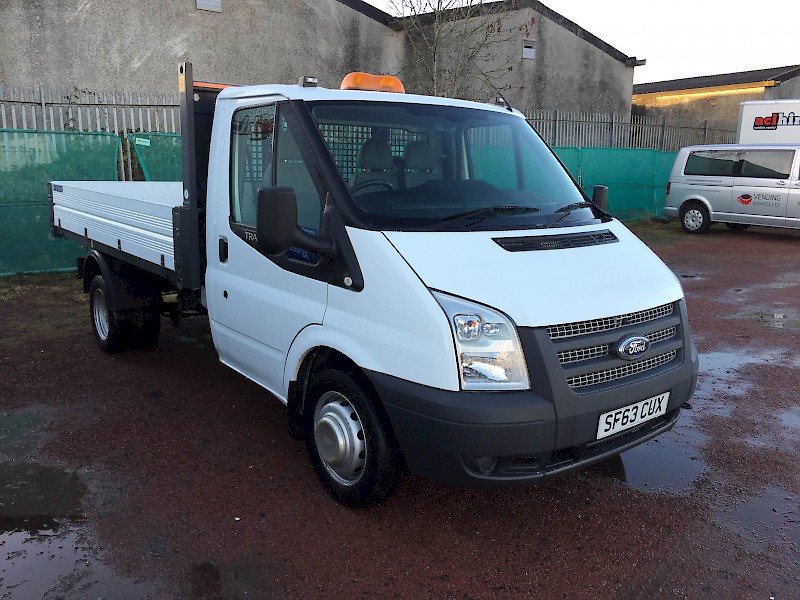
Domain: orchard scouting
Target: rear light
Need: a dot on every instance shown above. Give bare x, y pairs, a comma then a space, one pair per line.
669, 183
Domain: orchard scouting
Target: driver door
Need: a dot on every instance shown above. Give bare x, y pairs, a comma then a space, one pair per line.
262, 305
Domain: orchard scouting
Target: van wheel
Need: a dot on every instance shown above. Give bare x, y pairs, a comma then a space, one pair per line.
350, 443
694, 218
737, 226
107, 324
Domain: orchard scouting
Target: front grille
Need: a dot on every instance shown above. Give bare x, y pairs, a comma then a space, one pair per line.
621, 371
566, 330
566, 357
664, 334
556, 242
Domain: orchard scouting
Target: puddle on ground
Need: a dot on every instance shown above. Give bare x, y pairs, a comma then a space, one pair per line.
669, 463
777, 319
673, 461
13, 426
765, 519
48, 552
790, 419
720, 372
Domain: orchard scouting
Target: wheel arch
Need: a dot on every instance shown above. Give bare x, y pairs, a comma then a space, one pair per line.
695, 200
128, 286
304, 360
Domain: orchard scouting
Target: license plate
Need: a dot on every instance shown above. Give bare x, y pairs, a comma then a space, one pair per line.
632, 415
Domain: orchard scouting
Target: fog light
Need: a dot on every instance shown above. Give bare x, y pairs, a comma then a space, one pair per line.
481, 464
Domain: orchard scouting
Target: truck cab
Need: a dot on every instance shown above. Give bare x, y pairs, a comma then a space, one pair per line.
425, 287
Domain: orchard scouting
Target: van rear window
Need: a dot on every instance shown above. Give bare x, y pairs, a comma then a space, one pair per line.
769, 164
711, 162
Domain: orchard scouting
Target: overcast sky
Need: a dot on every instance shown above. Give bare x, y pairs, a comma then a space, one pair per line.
686, 38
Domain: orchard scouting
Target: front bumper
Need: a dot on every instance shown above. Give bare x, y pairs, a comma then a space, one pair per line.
528, 436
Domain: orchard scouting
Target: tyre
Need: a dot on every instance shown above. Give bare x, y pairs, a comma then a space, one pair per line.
736, 226
694, 218
107, 324
350, 441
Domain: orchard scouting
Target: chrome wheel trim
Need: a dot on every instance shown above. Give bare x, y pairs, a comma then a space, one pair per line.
339, 438
100, 314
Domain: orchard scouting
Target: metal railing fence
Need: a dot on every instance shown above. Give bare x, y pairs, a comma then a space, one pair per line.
609, 130
120, 113
127, 112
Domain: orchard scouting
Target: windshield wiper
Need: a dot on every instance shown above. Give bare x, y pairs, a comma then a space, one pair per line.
567, 209
490, 210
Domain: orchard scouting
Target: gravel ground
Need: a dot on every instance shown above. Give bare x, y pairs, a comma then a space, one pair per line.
162, 474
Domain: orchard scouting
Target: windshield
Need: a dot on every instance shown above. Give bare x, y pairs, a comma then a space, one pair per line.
412, 166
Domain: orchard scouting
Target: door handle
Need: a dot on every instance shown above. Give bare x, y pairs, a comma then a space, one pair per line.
781, 183
223, 250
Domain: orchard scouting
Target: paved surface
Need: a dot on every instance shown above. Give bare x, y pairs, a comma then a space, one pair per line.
162, 474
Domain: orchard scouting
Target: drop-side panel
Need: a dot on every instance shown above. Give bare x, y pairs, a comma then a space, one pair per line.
134, 217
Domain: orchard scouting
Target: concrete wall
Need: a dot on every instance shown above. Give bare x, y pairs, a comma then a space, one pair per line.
136, 45
568, 73
788, 90
720, 110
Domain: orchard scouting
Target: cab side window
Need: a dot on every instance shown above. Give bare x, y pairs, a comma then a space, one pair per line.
252, 141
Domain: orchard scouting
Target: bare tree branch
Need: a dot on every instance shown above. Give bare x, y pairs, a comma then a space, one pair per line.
460, 48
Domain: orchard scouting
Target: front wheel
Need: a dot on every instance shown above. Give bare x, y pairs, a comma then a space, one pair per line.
350, 441
695, 218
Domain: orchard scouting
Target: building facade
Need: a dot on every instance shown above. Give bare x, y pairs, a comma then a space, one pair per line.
714, 99
135, 46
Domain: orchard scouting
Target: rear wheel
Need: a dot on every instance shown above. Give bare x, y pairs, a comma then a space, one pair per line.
107, 325
737, 226
695, 218
350, 441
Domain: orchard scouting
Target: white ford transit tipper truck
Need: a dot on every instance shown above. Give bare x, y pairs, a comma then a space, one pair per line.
419, 279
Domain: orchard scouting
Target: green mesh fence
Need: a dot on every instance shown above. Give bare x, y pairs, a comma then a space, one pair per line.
636, 177
159, 155
28, 160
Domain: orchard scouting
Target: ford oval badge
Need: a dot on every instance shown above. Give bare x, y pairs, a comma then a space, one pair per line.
633, 347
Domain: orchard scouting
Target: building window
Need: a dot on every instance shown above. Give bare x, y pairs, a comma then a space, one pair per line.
213, 5
528, 49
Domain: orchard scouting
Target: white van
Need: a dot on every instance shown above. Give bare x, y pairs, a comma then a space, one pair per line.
418, 279
739, 185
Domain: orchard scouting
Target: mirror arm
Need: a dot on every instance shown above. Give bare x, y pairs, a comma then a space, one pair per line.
312, 243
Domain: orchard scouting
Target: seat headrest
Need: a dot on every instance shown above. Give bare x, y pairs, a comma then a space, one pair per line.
375, 155
419, 156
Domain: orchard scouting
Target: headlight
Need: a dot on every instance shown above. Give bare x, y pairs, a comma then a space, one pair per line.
489, 353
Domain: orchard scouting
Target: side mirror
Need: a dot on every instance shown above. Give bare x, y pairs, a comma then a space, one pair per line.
276, 224
600, 197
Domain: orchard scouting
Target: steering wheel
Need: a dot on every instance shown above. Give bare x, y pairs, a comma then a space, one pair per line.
365, 184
